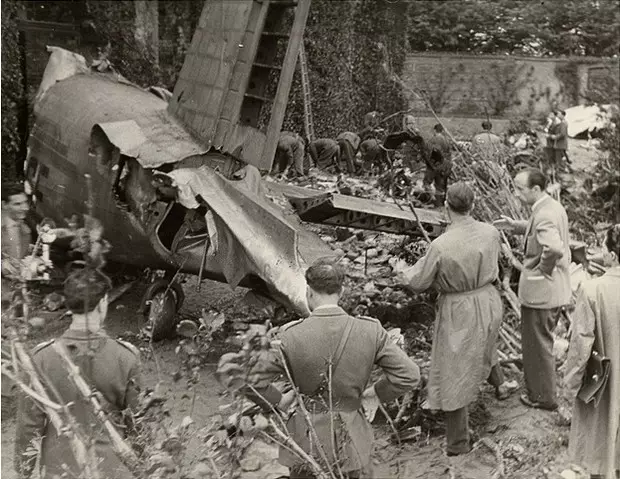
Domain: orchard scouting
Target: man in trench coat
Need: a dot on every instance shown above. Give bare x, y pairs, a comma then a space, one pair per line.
354, 345
463, 265
544, 286
595, 429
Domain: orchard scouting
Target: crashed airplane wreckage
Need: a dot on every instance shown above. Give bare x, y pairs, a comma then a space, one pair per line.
177, 184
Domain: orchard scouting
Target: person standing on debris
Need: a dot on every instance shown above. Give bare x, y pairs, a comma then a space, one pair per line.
463, 265
355, 346
290, 153
111, 367
349, 143
544, 286
325, 153
559, 137
595, 427
438, 164
487, 142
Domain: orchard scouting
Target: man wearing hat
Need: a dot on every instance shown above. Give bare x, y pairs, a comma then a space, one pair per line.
111, 367
462, 264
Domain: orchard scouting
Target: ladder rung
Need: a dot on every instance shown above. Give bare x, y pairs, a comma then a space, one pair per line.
258, 97
276, 34
283, 3
264, 65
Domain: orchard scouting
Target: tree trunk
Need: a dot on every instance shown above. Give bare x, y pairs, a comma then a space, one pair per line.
147, 26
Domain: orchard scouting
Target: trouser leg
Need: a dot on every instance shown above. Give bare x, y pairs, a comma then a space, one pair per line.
496, 376
538, 360
457, 431
299, 153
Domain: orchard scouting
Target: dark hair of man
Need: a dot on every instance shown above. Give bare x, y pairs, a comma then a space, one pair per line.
535, 177
325, 276
563, 112
487, 125
11, 189
438, 128
612, 240
460, 197
84, 289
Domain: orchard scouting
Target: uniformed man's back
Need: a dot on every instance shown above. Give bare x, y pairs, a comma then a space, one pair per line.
110, 367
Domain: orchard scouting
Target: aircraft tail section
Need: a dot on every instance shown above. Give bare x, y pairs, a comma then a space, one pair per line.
233, 88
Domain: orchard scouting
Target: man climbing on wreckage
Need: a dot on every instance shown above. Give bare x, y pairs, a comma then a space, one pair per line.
438, 161
355, 346
462, 264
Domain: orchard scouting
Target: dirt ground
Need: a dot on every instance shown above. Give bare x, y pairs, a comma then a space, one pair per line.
529, 443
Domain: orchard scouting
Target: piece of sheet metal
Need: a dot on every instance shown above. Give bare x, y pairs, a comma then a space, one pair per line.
350, 211
254, 236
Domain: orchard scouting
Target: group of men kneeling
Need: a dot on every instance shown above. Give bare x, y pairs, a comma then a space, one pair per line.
367, 152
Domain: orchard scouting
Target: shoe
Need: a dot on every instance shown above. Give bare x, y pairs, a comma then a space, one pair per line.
504, 390
452, 454
535, 404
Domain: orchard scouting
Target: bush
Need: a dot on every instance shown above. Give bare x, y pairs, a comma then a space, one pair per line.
12, 91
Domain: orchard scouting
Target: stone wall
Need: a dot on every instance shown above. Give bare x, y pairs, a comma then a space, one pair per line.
505, 87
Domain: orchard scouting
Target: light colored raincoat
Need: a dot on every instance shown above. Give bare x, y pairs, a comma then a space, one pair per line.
595, 430
463, 265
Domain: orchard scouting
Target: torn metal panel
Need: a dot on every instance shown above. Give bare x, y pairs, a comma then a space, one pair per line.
126, 135
61, 65
351, 211
254, 237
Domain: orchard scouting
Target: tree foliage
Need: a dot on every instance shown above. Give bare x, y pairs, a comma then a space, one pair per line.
344, 44
567, 27
12, 89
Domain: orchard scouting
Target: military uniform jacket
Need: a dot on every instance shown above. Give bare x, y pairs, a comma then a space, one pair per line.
545, 280
308, 345
112, 368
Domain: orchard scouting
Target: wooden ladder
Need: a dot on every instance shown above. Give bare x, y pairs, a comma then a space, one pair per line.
305, 85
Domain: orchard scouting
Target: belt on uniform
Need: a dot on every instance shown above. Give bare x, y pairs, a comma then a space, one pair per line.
471, 292
320, 405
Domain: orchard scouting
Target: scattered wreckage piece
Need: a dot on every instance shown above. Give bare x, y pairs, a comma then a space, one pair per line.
350, 211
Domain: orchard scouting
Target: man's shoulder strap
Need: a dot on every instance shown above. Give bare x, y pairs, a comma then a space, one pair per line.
343, 342
129, 346
40, 347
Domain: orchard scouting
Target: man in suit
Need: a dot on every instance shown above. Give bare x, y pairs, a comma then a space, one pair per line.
544, 286
353, 346
110, 366
558, 138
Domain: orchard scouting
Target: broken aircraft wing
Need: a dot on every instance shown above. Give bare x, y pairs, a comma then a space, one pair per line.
252, 235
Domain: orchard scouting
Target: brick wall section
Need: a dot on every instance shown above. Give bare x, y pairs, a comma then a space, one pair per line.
506, 86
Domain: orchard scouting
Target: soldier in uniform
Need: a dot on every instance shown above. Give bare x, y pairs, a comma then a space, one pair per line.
325, 153
290, 153
355, 346
111, 367
487, 142
348, 143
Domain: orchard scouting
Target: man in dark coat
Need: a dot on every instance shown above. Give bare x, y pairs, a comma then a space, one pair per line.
355, 346
348, 143
111, 367
325, 153
290, 153
438, 164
